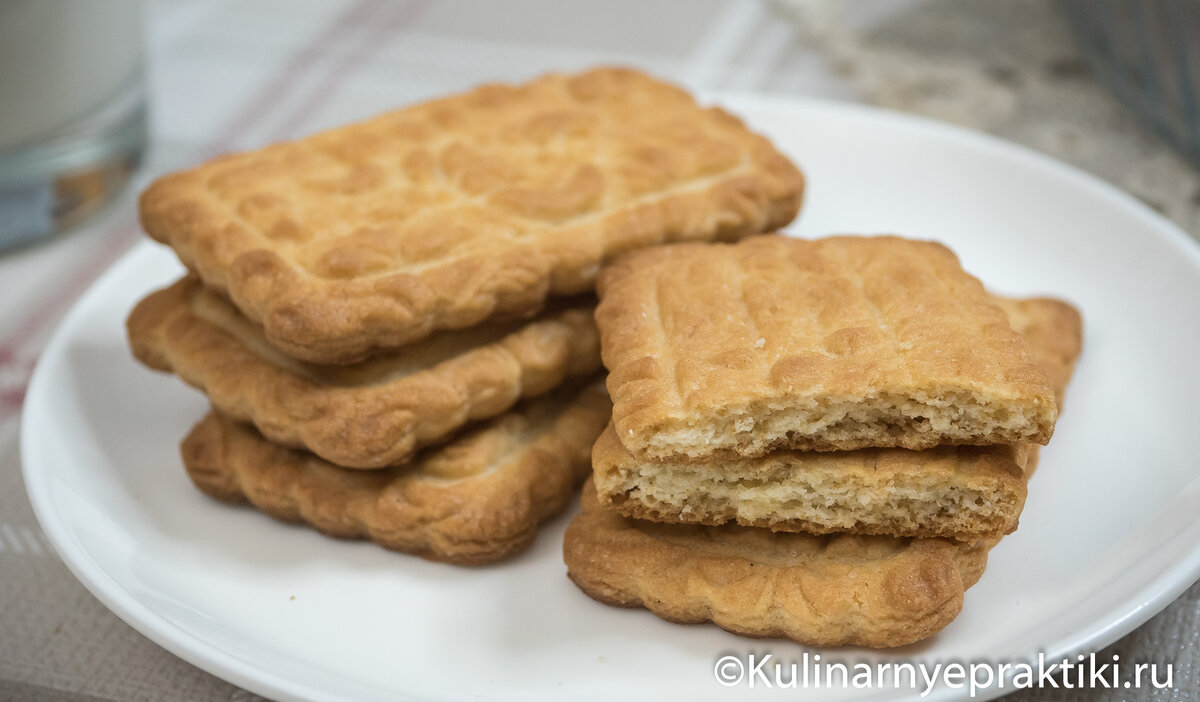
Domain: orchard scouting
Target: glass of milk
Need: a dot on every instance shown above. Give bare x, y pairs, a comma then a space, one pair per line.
72, 111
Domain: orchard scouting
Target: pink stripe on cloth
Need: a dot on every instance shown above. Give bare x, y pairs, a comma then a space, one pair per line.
12, 397
363, 51
49, 310
278, 86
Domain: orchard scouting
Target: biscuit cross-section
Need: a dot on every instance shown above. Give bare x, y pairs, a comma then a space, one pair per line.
830, 344
960, 492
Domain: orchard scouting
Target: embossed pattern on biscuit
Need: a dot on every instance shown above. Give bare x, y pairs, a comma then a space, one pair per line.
476, 500
829, 344
836, 590
960, 492
367, 415
440, 215
821, 590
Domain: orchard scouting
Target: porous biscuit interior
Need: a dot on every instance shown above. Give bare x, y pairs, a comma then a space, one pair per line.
915, 420
961, 492
870, 491
831, 344
831, 503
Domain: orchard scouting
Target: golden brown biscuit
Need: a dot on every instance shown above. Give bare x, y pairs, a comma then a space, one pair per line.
368, 415
476, 500
833, 344
960, 492
441, 215
875, 591
963, 493
1054, 330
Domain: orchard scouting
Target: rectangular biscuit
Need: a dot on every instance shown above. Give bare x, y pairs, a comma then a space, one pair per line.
963, 493
833, 590
830, 344
960, 492
441, 215
372, 414
475, 500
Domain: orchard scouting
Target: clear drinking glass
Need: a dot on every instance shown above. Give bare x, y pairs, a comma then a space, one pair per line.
72, 111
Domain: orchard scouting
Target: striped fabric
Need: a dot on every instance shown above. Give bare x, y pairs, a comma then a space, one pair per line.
232, 74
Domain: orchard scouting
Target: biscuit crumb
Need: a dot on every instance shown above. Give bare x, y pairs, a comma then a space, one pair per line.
811, 392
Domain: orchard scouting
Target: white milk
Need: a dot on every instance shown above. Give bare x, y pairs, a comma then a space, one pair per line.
61, 59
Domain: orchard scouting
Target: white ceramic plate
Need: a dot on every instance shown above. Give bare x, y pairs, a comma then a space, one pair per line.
1109, 535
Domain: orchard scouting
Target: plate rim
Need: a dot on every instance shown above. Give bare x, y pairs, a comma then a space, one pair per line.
1132, 612
95, 579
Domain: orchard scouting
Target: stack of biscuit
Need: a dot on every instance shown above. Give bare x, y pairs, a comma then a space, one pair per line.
819, 440
396, 327
393, 320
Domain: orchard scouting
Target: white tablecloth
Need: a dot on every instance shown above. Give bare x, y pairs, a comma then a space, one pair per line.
228, 74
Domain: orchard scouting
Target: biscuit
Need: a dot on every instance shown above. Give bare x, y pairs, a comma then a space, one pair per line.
447, 213
368, 415
960, 492
964, 493
476, 500
845, 589
842, 343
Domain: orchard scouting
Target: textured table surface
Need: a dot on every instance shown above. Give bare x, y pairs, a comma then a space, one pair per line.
227, 75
